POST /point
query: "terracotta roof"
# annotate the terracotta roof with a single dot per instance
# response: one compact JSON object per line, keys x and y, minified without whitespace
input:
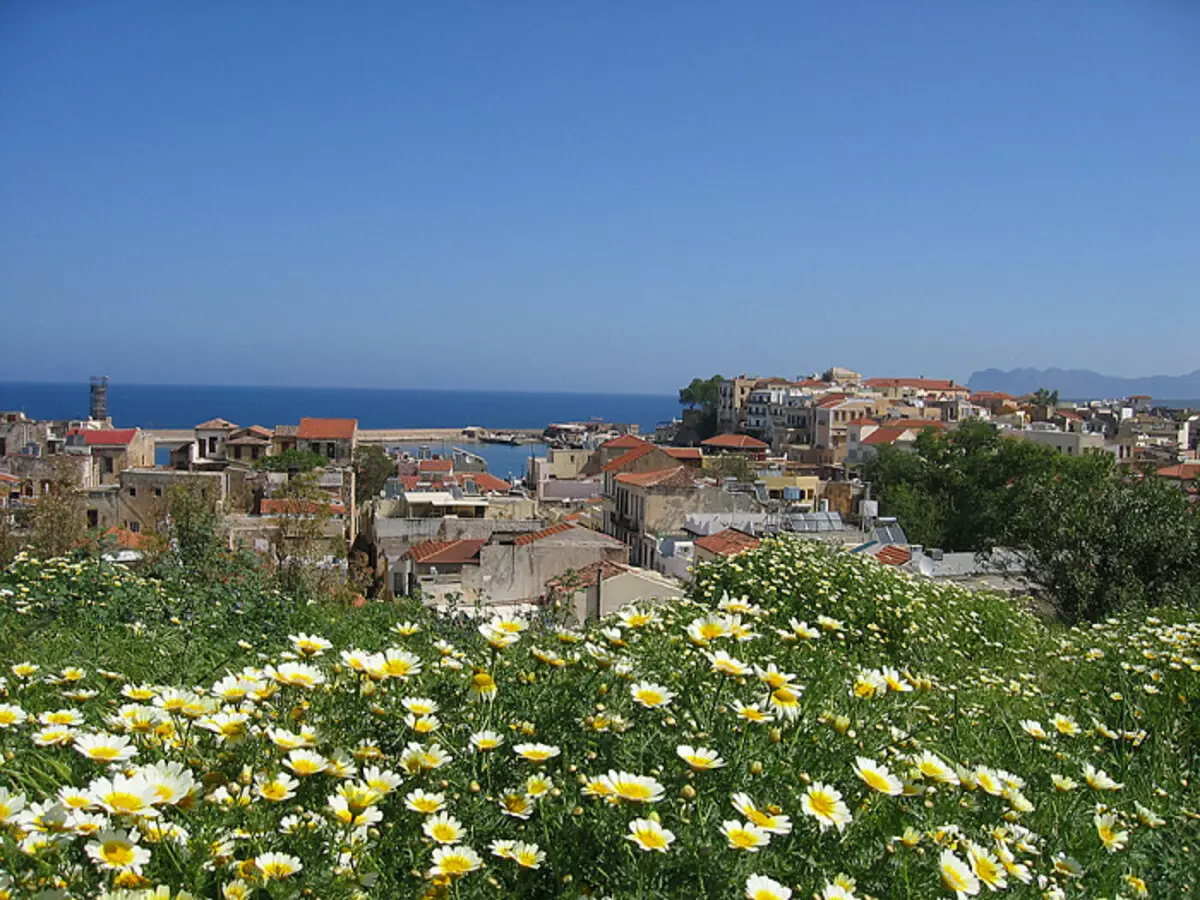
{"x":586,"y":576}
{"x":830,"y":400}
{"x":735,"y":442}
{"x":884,"y":435}
{"x":811,"y":382}
{"x":127,"y":539}
{"x":435,"y":465}
{"x":327,"y":429}
{"x":728,"y":542}
{"x":864,"y":420}
{"x":485,"y":482}
{"x":269,"y":506}
{"x":991,"y":395}
{"x":216,"y":425}
{"x":683,"y":452}
{"x":893,"y":555}
{"x":632,"y":456}
{"x":248,"y":440}
{"x":1180,"y":472}
{"x":9,"y":479}
{"x":674,"y":477}
{"x":624,"y":442}
{"x":925,"y":384}
{"x":432,"y":553}
{"x":915,"y":424}
{"x":104,"y":437}
{"x":524,"y":539}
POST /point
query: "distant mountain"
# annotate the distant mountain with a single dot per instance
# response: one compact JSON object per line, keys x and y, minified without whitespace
{"x":1080,"y":384}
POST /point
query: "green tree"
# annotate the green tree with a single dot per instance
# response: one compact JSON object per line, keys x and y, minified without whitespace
{"x":705,"y":393}
{"x":57,"y":526}
{"x":300,"y":460}
{"x":301,"y":541}
{"x":192,"y":528}
{"x":732,"y":465}
{"x":372,"y":468}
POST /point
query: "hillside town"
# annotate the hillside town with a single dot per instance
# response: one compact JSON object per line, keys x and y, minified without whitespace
{"x":606,"y":516}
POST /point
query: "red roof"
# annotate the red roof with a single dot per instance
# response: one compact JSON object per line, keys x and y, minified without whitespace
{"x":683,"y":452}
{"x":445,"y":552}
{"x":435,"y":465}
{"x":893,"y":555}
{"x":624,"y":442}
{"x":216,"y":425}
{"x":485,"y":482}
{"x":104,"y":437}
{"x":728,"y":542}
{"x":915,"y":424}
{"x":980,"y":396}
{"x":830,"y":400}
{"x":1181,"y":472}
{"x":560,"y":528}
{"x":327,"y":429}
{"x":127,"y":539}
{"x":924,"y":384}
{"x":735,"y":442}
{"x":674,"y":477}
{"x":864,"y":420}
{"x":268,"y":507}
{"x":632,"y":456}
{"x":884,"y":435}
{"x":9,"y":479}
{"x":586,"y":576}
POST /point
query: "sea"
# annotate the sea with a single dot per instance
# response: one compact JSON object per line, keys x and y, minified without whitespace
{"x":184,"y":406}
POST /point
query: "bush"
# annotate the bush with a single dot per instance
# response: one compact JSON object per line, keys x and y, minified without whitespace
{"x":796,"y":666}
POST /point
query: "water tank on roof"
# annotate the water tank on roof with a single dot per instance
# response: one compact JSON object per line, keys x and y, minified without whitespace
{"x":823,"y":505}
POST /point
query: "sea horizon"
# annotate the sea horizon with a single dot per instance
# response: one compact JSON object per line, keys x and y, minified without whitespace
{"x":173,"y":406}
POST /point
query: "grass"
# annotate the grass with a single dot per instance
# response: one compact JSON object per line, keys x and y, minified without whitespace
{"x":800,"y":668}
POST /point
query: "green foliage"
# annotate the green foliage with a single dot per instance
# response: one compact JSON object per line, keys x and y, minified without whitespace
{"x":300,"y":460}
{"x":1090,"y":539}
{"x":702,"y":392}
{"x":372,"y":468}
{"x":881,"y":666}
{"x":57,"y":521}
{"x":732,"y":465}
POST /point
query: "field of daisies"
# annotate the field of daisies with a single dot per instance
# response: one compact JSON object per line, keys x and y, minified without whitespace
{"x":808,"y":724}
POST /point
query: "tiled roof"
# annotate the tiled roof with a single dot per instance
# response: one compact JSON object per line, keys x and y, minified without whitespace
{"x":990,"y":395}
{"x":624,"y":442}
{"x":435,"y":465}
{"x":269,"y":506}
{"x":9,"y":479}
{"x":864,"y":420}
{"x":735,"y":442}
{"x":831,"y":400}
{"x":674,"y":477}
{"x":127,"y":539}
{"x":925,"y":384}
{"x":1181,"y":472}
{"x":216,"y":425}
{"x":327,"y":429}
{"x":626,"y":458}
{"x":728,"y":542}
{"x":485,"y":482}
{"x":915,"y":424}
{"x":683,"y":452}
{"x":893,"y":555}
{"x":586,"y":576}
{"x":545,"y":532}
{"x":445,"y":552}
{"x":884,"y":435}
{"x":104,"y":437}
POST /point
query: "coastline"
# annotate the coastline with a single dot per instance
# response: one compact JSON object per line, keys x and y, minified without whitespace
{"x":375,"y":435}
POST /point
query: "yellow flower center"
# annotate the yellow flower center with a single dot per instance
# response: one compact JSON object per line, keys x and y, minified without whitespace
{"x":822,"y":804}
{"x":116,"y":854}
{"x":444,"y":832}
{"x":456,"y":865}
{"x":124,"y":802}
{"x":651,"y":839}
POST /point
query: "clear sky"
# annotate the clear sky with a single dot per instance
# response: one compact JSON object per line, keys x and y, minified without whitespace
{"x":596,"y":196}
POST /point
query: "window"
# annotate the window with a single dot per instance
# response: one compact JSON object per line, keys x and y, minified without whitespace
{"x":108,"y":465}
{"x":212,"y":446}
{"x":158,"y":492}
{"x":331,"y":450}
{"x":133,"y":492}
{"x":135,"y":527}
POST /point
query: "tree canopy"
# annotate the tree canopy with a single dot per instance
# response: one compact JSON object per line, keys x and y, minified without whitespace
{"x":705,"y":393}
{"x":1089,"y":537}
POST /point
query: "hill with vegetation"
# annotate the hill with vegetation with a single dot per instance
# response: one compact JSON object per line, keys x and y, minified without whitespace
{"x":806,"y":723}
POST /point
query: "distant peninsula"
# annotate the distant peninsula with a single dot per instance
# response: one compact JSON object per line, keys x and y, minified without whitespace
{"x":1081,"y":384}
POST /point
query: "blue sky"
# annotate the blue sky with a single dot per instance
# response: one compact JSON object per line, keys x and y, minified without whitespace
{"x":605,"y":196}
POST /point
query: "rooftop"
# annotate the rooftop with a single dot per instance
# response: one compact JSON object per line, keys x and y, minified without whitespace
{"x":678,"y":476}
{"x":734,"y":442}
{"x":892,"y":555}
{"x":327,"y":429}
{"x":624,"y":442}
{"x":432,"y":553}
{"x":925,"y":384}
{"x":728,"y":542}
{"x":632,"y":456}
{"x":683,"y":452}
{"x":217,"y":424}
{"x":104,"y":437}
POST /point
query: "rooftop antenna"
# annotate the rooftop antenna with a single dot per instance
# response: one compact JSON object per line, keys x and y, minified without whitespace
{"x":98,"y":387}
